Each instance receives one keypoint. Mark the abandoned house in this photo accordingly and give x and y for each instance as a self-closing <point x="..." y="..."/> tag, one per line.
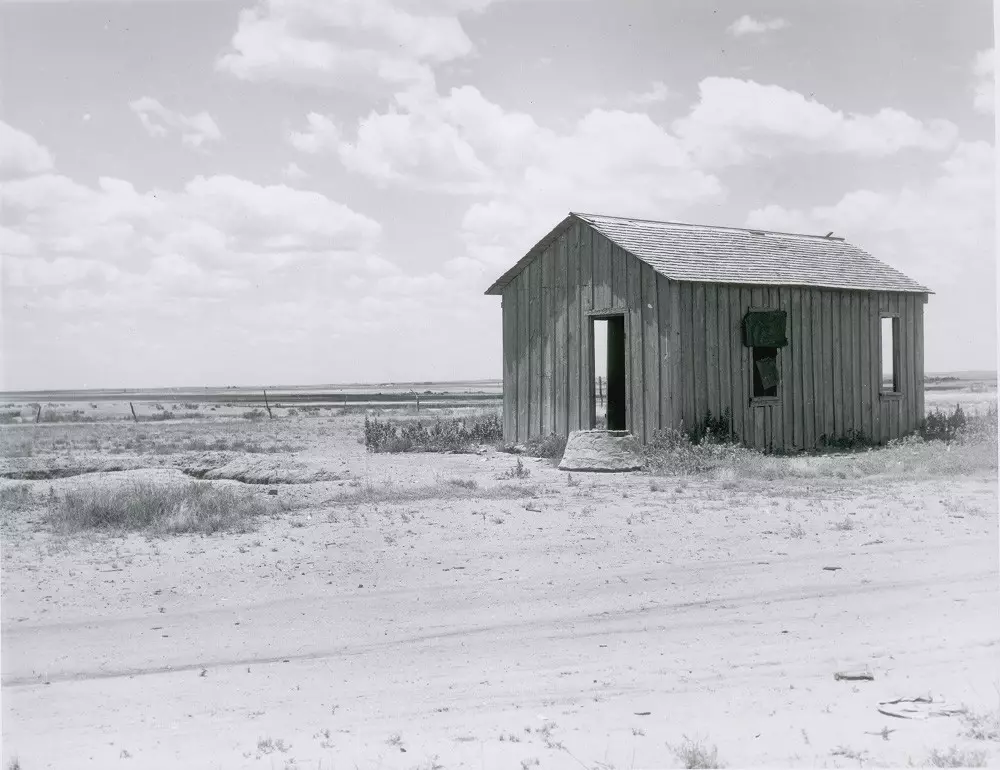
<point x="801" y="339"/>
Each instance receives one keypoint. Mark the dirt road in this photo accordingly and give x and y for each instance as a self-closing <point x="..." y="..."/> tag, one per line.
<point x="614" y="621"/>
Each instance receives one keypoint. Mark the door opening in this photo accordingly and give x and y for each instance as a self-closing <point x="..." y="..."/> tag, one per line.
<point x="607" y="407"/>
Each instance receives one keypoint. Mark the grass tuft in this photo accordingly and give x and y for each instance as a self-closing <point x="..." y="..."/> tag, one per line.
<point x="955" y="757"/>
<point x="695" y="755"/>
<point x="457" y="435"/>
<point x="198" y="507"/>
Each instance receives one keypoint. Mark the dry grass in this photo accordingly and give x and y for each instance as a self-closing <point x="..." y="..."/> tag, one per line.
<point x="162" y="509"/>
<point x="955" y="757"/>
<point x="973" y="451"/>
<point x="389" y="494"/>
<point x="694" y="754"/>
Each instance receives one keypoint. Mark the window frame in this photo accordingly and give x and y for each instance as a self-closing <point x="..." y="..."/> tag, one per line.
<point x="764" y="400"/>
<point x="896" y="330"/>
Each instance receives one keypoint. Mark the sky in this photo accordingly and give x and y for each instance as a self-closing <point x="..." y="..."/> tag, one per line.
<point x="214" y="192"/>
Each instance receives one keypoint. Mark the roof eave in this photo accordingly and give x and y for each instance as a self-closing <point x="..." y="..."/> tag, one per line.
<point x="496" y="289"/>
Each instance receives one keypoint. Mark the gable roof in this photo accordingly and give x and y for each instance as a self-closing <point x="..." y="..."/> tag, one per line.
<point x="707" y="254"/>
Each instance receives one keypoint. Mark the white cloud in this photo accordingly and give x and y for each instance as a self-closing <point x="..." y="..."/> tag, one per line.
<point x="657" y="92"/>
<point x="195" y="130"/>
<point x="985" y="88"/>
<point x="746" y="25"/>
<point x="351" y="44"/>
<point x="943" y="234"/>
<point x="320" y="134"/>
<point x="293" y="172"/>
<point x="737" y="120"/>
<point x="20" y="154"/>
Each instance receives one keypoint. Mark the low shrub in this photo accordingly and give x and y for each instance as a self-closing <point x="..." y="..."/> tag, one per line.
<point x="442" y="436"/>
<point x="158" y="509"/>
<point x="940" y="426"/>
<point x="550" y="447"/>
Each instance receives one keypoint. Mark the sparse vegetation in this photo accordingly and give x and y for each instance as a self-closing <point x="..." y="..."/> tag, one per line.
<point x="549" y="447"/>
<point x="456" y="435"/>
<point x="517" y="472"/>
<point x="15" y="498"/>
<point x="973" y="450"/>
<point x="982" y="726"/>
<point x="375" y="494"/>
<point x="955" y="757"/>
<point x="158" y="509"/>
<point x="695" y="755"/>
<point x="844" y="525"/>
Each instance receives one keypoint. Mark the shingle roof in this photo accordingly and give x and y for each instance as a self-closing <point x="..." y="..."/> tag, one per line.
<point x="702" y="253"/>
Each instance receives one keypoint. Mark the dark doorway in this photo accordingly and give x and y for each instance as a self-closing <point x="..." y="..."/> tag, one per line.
<point x="608" y="364"/>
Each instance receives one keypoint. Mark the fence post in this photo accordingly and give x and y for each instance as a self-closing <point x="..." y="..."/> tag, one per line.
<point x="267" y="406"/>
<point x="38" y="414"/>
<point x="134" y="415"/>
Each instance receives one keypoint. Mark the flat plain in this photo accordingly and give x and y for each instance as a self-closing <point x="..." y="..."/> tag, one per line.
<point x="484" y="609"/>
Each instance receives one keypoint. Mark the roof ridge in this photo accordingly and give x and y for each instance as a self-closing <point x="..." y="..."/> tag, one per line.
<point x="673" y="223"/>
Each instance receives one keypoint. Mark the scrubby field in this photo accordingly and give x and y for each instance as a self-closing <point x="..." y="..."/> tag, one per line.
<point x="230" y="591"/>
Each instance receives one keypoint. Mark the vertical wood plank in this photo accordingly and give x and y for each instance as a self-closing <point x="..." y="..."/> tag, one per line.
<point x="573" y="354"/>
<point x="918" y="332"/>
<point x="895" y="403"/>
<point x="587" y="300"/>
<point x="509" y="312"/>
<point x="686" y="347"/>
<point x="836" y="349"/>
<point x="523" y="357"/>
<point x="560" y="368"/>
<point x="865" y="362"/>
<point x="749" y="421"/>
<point x="758" y="414"/>
<point x="857" y="395"/>
<point x="619" y="289"/>
<point x="725" y="351"/>
<point x="807" y="400"/>
<point x="601" y="271"/>
<point x="699" y="353"/>
<point x="847" y="358"/>
<point x="816" y="361"/>
<point x="737" y="361"/>
<point x="712" y="349"/>
<point x="793" y="414"/>
<point x="634" y="369"/>
<point x="675" y="358"/>
<point x="535" y="373"/>
<point x="829" y="375"/>
<point x="650" y="387"/>
<point x="664" y="362"/>
<point x="880" y="409"/>
<point x="547" y="258"/>
<point x="909" y="334"/>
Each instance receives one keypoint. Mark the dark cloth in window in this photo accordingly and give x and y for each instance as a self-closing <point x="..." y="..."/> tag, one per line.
<point x="765" y="329"/>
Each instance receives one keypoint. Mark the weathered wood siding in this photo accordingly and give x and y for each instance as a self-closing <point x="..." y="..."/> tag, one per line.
<point x="685" y="354"/>
<point x="830" y="372"/>
<point x="547" y="345"/>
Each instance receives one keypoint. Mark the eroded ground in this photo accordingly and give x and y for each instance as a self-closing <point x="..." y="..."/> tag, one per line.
<point x="390" y="617"/>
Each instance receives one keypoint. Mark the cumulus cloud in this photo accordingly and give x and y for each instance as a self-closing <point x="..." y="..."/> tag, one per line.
<point x="985" y="89"/>
<point x="747" y="25"/>
<point x="293" y="172"/>
<point x="736" y="120"/>
<point x="351" y="44"/>
<point x="20" y="154"/>
<point x="657" y="92"/>
<point x="195" y="130"/>
<point x="320" y="133"/>
<point x="942" y="233"/>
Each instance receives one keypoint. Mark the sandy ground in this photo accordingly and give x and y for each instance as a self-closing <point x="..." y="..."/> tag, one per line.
<point x="591" y="624"/>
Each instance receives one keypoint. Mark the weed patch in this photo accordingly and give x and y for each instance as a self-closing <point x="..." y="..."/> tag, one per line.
<point x="198" y="507"/>
<point x="457" y="435"/>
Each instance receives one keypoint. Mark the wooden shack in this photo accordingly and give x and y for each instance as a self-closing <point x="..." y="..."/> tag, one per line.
<point x="801" y="339"/>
